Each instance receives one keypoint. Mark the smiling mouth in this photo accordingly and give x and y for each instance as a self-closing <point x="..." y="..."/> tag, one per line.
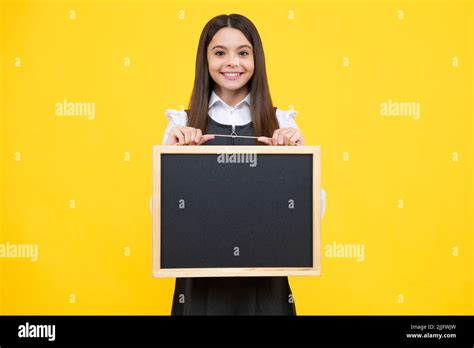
<point x="232" y="76"/>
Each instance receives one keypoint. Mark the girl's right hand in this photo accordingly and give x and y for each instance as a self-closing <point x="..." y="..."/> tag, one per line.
<point x="187" y="136"/>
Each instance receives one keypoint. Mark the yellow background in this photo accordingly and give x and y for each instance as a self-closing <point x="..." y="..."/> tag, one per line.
<point x="409" y="265"/>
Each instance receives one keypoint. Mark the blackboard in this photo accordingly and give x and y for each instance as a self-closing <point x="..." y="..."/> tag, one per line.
<point x="236" y="211"/>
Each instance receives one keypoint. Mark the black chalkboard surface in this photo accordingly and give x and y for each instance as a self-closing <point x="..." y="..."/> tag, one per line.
<point x="236" y="211"/>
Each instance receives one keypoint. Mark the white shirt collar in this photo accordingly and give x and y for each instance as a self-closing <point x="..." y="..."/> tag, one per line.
<point x="215" y="98"/>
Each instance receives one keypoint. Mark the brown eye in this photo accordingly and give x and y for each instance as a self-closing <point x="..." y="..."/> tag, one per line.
<point x="244" y="53"/>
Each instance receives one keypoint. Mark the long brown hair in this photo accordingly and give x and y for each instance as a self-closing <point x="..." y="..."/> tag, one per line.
<point x="261" y="107"/>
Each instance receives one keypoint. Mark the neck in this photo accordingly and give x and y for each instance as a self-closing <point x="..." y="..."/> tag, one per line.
<point x="231" y="98"/>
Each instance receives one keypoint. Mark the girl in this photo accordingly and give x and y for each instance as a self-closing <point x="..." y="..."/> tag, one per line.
<point x="231" y="96"/>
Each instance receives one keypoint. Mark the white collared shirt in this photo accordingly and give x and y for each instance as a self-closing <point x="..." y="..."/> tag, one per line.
<point x="237" y="115"/>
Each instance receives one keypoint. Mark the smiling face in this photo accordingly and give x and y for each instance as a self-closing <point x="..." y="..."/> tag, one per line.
<point x="231" y="62"/>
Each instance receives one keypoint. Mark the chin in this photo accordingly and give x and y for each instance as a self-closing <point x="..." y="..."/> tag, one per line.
<point x="232" y="88"/>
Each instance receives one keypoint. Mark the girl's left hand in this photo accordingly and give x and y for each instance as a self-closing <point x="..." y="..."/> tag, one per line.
<point x="284" y="136"/>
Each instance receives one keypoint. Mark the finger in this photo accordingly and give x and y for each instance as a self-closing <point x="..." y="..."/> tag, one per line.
<point x="198" y="136"/>
<point x="192" y="136"/>
<point x="288" y="134"/>
<point x="275" y="136"/>
<point x="281" y="136"/>
<point x="178" y="136"/>
<point x="265" y="140"/>
<point x="295" y="138"/>
<point x="300" y="141"/>
<point x="205" y="138"/>
<point x="187" y="134"/>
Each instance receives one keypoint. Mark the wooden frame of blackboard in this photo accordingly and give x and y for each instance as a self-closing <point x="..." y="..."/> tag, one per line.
<point x="159" y="272"/>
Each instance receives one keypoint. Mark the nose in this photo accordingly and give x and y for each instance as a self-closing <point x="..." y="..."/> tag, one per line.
<point x="234" y="62"/>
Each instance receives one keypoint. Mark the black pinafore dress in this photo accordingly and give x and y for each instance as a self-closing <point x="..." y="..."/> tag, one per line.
<point x="232" y="295"/>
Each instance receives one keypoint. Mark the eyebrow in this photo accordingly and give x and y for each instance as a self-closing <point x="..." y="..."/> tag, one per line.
<point x="241" y="46"/>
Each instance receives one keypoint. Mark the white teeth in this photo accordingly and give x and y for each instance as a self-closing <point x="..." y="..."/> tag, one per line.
<point x="231" y="74"/>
